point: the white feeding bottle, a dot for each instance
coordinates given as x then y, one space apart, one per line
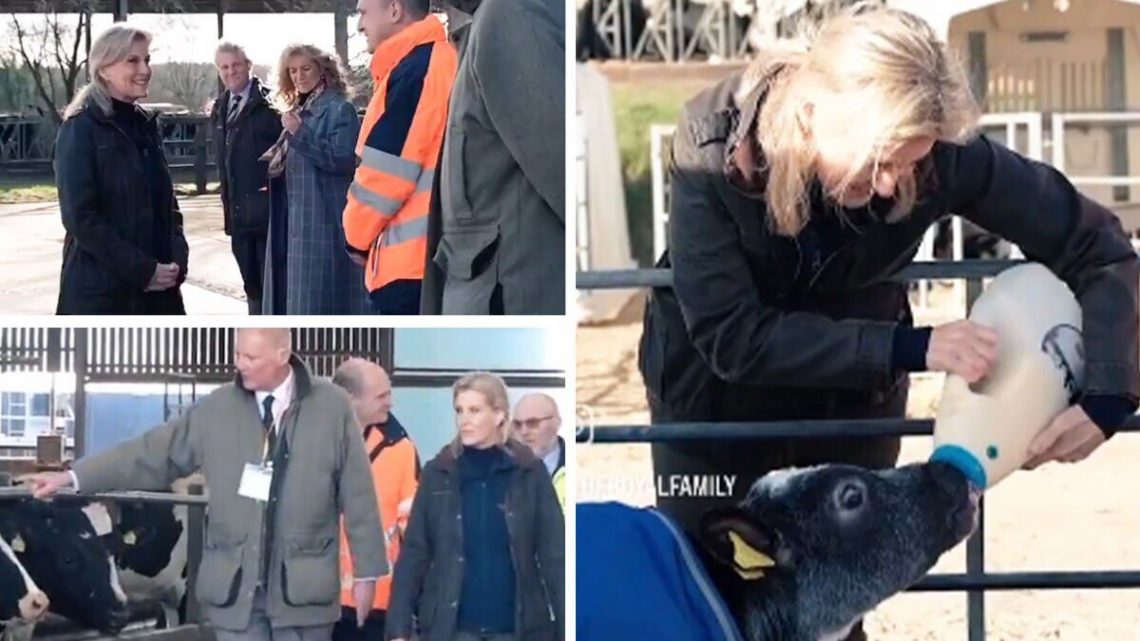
985 429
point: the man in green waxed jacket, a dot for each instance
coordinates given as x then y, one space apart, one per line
270 562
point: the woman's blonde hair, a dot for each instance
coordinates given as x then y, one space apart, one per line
333 75
890 70
494 391
110 48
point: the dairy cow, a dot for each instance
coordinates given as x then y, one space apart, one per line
62 553
20 598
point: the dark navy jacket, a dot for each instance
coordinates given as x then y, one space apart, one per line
638 578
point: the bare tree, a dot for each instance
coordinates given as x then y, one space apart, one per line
188 83
49 46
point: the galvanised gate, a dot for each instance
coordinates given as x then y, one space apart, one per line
975 581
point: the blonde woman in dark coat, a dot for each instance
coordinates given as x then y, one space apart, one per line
484 553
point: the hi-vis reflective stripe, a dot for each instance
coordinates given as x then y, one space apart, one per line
410 230
425 181
383 205
387 163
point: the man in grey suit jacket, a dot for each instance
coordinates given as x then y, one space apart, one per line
283 458
503 165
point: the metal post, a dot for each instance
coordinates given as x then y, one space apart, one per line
976 545
340 30
201 159
80 401
88 12
196 524
122 10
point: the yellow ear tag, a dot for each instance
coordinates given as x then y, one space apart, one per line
130 538
748 561
18 546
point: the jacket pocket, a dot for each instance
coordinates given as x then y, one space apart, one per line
252 211
219 575
466 254
310 572
470 259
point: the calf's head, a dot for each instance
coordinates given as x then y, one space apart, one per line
20 598
62 552
808 552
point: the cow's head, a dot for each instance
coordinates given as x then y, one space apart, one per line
142 536
819 547
63 553
20 597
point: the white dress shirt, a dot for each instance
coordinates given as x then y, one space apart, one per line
282 398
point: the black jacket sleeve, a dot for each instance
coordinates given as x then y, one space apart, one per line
1036 207
411 566
551 546
742 339
77 179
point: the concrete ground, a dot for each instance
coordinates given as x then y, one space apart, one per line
31 244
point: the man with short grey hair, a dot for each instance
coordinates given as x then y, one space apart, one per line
284 460
395 467
245 124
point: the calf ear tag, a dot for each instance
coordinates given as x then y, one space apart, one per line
748 562
130 538
18 546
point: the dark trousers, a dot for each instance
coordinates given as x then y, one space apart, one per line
346 630
249 250
397 298
747 461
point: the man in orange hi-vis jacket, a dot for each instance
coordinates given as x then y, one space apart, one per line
385 220
395 466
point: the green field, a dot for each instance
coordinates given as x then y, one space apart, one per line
637 106
26 193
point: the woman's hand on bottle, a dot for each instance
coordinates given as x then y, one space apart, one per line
964 348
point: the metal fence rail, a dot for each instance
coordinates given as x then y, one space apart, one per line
934 270
861 428
976 581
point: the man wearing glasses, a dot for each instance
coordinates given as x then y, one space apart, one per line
536 422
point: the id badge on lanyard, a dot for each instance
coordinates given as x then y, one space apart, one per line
257 479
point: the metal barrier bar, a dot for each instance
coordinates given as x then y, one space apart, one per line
976 544
664 432
1103 580
167 498
935 270
195 538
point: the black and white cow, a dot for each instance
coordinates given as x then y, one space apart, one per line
148 542
63 554
21 600
802 558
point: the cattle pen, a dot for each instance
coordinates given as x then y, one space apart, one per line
146 621
976 581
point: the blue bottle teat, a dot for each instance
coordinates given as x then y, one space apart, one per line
964 461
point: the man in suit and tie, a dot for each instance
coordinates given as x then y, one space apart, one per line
245 125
